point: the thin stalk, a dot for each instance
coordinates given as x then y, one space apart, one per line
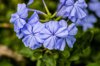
58 18
46 8
44 20
39 12
54 15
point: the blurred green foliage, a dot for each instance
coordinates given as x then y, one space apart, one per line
86 51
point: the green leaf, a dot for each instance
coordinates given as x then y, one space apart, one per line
37 54
49 60
86 52
26 52
66 53
38 63
74 58
93 64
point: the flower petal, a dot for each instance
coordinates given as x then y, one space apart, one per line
27 29
62 32
26 40
63 23
50 43
20 23
70 41
60 45
22 10
34 44
72 29
52 26
33 19
30 2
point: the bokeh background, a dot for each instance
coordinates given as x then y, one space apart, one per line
86 51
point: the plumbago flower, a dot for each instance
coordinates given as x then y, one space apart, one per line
19 18
87 22
31 37
72 9
93 6
56 36
31 31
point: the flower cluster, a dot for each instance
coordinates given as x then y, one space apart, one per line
53 34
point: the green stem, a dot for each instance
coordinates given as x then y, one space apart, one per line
46 8
44 20
54 15
58 18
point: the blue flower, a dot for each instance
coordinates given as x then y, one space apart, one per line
72 9
93 6
18 19
87 22
55 34
31 35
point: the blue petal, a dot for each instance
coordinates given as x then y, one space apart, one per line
50 42
80 13
33 19
34 44
16 29
22 10
60 45
69 2
38 27
62 32
87 22
27 29
72 29
30 2
63 23
70 41
87 26
62 11
20 23
93 6
38 38
54 26
14 17
98 13
81 3
20 35
45 31
26 40
44 34
62 1
91 19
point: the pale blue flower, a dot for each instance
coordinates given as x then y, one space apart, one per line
56 34
87 22
31 35
18 19
72 9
